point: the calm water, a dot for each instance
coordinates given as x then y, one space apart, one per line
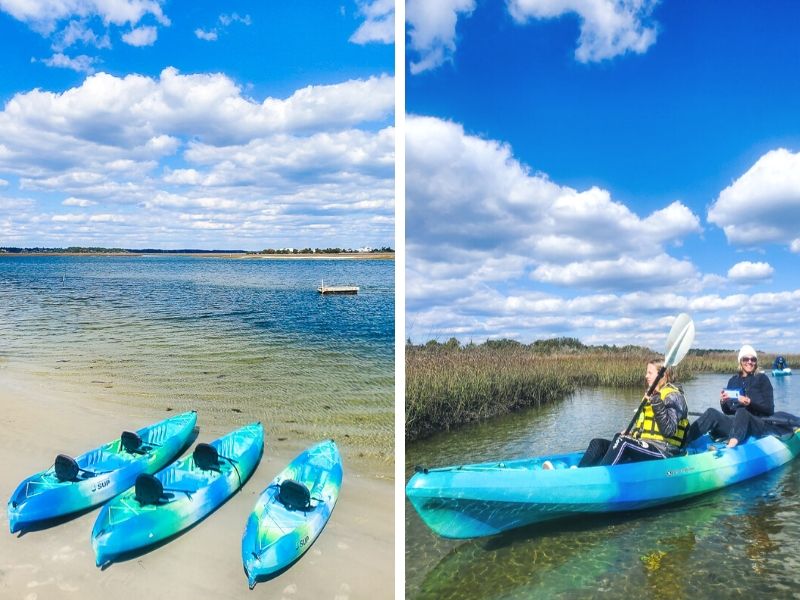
247 339
743 541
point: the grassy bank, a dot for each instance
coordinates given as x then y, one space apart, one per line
448 384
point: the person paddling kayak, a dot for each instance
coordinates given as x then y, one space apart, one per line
747 399
658 432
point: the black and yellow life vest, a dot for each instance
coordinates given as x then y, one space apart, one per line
646 427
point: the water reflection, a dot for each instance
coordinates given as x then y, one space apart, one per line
739 541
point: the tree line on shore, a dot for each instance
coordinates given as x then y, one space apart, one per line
100 250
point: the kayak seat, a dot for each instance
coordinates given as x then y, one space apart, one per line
294 495
149 489
131 442
206 457
66 468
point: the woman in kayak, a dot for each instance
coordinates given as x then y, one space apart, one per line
658 432
744 403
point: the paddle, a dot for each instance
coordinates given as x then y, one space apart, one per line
679 341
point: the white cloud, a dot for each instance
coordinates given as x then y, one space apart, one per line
378 25
138 118
83 202
485 236
234 18
81 64
43 15
212 35
763 205
3 183
467 192
622 272
7 203
79 31
608 27
141 36
750 272
432 30
209 36
189 157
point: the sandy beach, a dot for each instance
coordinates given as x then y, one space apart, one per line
353 558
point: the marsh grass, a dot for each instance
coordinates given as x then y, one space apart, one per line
448 385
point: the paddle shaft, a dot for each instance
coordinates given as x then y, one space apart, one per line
649 393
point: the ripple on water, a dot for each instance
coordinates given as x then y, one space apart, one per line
738 542
246 338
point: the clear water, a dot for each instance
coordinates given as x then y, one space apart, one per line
740 542
239 339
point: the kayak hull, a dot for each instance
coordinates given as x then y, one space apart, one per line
124 525
486 499
781 372
275 536
111 470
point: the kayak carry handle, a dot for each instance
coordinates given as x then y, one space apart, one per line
421 469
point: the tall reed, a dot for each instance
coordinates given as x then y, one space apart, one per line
448 385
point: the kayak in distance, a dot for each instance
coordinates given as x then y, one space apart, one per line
484 499
291 512
161 505
74 484
781 372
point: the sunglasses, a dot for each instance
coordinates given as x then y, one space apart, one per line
750 360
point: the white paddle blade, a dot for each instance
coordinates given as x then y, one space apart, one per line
680 339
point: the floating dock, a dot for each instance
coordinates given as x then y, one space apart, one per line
337 289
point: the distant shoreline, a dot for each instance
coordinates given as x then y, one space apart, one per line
229 255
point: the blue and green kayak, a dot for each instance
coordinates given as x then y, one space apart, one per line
72 485
161 505
291 512
485 499
781 372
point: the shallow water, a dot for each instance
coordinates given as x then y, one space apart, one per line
240 339
743 541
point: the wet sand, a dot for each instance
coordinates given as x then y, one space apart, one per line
352 559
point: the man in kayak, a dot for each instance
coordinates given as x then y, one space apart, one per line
746 400
779 364
658 432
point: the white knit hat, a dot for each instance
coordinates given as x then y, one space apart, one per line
747 351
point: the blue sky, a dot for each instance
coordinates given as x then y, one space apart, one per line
238 125
593 168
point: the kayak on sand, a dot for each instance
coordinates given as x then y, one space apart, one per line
161 505
489 498
75 484
291 512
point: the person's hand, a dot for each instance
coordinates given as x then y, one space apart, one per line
723 395
744 400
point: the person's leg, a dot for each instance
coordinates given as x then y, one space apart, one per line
712 422
626 450
594 452
745 425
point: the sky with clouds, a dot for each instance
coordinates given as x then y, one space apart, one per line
242 125
591 168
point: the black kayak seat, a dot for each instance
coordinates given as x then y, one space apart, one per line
131 442
206 457
294 495
66 468
149 489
